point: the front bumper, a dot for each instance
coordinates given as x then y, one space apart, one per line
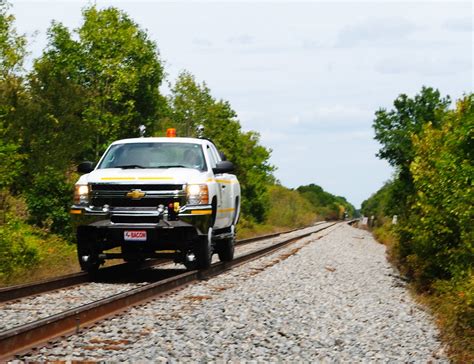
174 235
194 218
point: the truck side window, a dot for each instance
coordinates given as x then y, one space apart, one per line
212 157
216 153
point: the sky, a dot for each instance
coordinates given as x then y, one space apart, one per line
308 76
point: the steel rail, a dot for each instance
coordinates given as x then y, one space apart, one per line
69 280
51 284
22 338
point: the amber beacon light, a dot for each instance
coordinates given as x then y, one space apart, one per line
171 132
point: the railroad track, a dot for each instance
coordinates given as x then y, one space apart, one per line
25 290
21 338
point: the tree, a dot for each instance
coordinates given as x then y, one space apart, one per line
438 237
100 87
383 203
12 95
394 130
326 204
91 86
54 132
123 74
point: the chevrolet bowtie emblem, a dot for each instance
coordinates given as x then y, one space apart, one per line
136 194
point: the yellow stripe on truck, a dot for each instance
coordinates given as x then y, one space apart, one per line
155 178
201 212
137 178
225 181
118 178
223 211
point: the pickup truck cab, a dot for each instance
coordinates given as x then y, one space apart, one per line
156 197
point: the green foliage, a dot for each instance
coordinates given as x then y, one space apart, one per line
122 72
288 208
17 250
90 87
439 233
192 105
49 199
383 203
28 253
12 45
394 130
325 204
12 53
453 302
53 131
435 235
96 89
10 164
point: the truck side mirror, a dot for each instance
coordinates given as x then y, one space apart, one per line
85 167
223 167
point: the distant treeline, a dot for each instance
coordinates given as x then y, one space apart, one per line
432 149
89 87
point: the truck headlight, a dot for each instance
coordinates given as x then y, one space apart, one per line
197 194
81 194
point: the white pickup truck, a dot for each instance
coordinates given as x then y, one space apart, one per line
156 197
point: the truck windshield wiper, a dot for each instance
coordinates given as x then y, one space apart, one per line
129 166
173 166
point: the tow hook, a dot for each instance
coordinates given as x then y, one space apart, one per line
190 257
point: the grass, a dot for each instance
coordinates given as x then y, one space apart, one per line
453 310
30 254
246 229
451 303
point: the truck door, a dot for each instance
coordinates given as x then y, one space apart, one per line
225 210
213 159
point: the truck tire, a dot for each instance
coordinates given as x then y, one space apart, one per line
87 252
204 251
226 249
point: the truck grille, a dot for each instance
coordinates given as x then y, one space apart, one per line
115 195
126 188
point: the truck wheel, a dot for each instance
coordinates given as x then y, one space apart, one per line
226 249
87 253
204 251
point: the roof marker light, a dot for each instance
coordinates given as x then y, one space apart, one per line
171 132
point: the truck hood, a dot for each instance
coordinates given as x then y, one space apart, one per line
144 176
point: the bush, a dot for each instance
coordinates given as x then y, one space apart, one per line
325 204
453 302
28 253
49 200
288 208
18 249
438 236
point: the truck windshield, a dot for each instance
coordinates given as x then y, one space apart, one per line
154 155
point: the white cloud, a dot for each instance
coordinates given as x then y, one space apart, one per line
424 65
382 32
201 42
242 39
459 24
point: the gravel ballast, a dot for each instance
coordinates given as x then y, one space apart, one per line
29 309
330 297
